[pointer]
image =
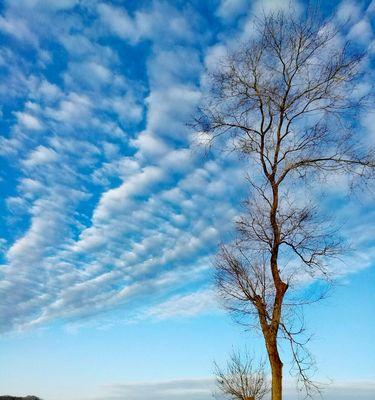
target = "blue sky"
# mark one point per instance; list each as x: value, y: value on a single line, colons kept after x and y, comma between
x: 110, y: 213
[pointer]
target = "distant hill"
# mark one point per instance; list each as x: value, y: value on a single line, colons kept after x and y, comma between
x: 19, y: 398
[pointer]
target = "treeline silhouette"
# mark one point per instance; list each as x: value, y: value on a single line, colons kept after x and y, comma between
x: 19, y: 398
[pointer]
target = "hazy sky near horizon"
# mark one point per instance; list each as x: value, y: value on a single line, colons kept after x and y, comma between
x: 110, y: 214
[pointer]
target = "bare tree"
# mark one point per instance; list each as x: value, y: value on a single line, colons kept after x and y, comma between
x: 242, y: 379
x: 288, y: 102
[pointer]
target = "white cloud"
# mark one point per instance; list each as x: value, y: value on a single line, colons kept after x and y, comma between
x: 127, y: 107
x: 30, y: 187
x: 361, y: 31
x: 268, y: 6
x: 229, y: 9
x: 146, y: 24
x: 48, y: 91
x: 18, y: 28
x: 150, y: 146
x: 41, y: 155
x: 26, y: 272
x: 368, y: 122
x: 29, y: 121
x: 182, y: 306
x: 114, y: 201
x: 78, y: 45
x: 90, y: 73
x: 119, y: 22
x: 54, y: 5
x: 75, y: 109
x: 168, y: 107
x: 348, y: 10
x: 48, y: 222
x: 214, y: 54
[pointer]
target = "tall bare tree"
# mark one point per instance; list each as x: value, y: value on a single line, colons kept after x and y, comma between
x: 288, y: 101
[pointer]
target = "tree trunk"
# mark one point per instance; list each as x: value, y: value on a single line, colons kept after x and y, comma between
x: 276, y: 370
x: 277, y: 377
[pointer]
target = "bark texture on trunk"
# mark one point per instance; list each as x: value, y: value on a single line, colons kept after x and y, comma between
x: 276, y: 368
x: 277, y: 378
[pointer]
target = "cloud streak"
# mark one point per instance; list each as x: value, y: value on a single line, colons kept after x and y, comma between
x: 202, y: 389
